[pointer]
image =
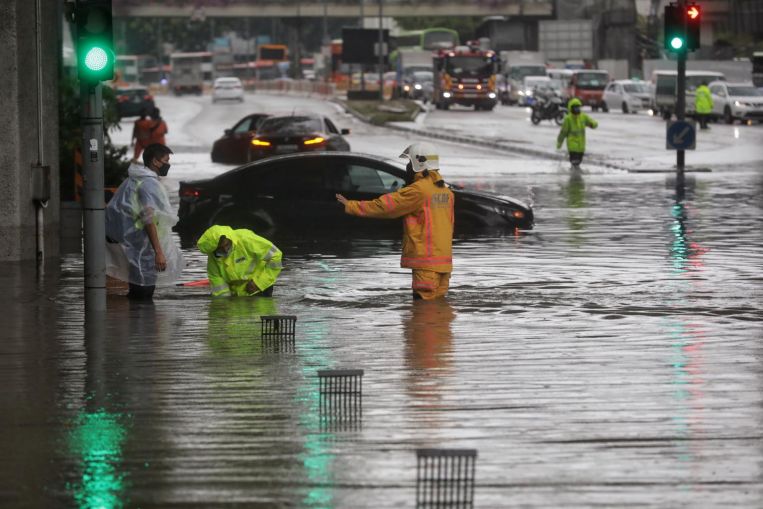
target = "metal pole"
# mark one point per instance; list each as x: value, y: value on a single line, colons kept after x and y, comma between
x: 381, y: 53
x: 326, y: 39
x: 681, y: 101
x: 39, y: 204
x: 93, y: 202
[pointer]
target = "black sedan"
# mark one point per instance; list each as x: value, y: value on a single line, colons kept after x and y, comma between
x: 235, y: 147
x: 133, y: 101
x: 294, y: 195
x: 297, y: 133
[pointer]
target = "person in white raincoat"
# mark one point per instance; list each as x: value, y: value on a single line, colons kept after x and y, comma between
x: 139, y: 221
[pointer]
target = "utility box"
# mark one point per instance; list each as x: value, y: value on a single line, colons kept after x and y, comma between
x: 566, y: 39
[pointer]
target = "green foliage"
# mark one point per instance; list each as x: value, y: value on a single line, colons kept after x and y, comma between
x: 466, y: 26
x: 70, y: 137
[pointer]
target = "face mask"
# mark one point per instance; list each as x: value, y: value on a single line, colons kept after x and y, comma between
x: 576, y: 110
x: 409, y: 174
x: 222, y: 254
x: 164, y: 169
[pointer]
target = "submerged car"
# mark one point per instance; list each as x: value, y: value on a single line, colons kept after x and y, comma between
x: 235, y: 146
x: 296, y: 195
x: 297, y: 133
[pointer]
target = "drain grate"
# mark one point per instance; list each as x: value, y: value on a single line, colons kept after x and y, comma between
x: 341, y: 397
x: 278, y: 329
x: 445, y: 477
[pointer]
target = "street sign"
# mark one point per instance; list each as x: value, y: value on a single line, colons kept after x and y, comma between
x: 681, y: 135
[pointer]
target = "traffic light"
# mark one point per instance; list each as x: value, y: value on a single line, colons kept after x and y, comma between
x: 675, y: 29
x: 693, y: 20
x: 95, y: 40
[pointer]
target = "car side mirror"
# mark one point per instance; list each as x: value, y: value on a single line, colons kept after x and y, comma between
x: 345, y: 131
x: 228, y: 132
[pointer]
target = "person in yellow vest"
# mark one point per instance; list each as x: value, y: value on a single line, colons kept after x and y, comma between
x: 573, y: 129
x: 239, y: 262
x: 426, y: 205
x: 703, y: 104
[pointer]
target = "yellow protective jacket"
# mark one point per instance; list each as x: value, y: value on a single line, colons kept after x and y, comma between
x: 427, y: 211
x: 573, y: 128
x: 703, y: 100
x: 252, y: 258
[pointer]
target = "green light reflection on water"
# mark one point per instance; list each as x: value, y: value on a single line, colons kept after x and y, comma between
x: 97, y: 438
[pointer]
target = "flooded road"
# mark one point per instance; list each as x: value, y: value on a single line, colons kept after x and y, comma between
x: 609, y: 357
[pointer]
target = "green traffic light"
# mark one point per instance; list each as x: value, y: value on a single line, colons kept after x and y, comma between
x: 96, y: 59
x: 676, y: 43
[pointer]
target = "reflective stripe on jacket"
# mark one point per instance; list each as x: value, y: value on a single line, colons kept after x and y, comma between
x: 427, y: 211
x: 703, y: 100
x: 573, y: 128
x: 252, y: 258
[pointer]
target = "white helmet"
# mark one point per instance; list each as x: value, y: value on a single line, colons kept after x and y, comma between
x: 423, y: 156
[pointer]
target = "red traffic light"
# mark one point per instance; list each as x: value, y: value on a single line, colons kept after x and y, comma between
x: 693, y: 12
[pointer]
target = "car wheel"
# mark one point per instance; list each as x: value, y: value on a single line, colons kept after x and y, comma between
x: 604, y: 108
x: 666, y: 115
x: 727, y: 116
x: 625, y: 107
x: 535, y: 117
x: 594, y: 108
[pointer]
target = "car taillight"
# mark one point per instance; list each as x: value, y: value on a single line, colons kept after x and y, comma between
x: 148, y: 97
x: 518, y: 214
x: 314, y: 141
x: 260, y: 143
x: 190, y: 192
x: 122, y: 98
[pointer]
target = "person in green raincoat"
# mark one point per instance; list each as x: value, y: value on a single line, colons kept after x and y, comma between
x: 703, y: 104
x: 239, y: 262
x: 573, y: 129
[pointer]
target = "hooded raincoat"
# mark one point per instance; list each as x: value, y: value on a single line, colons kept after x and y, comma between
x: 703, y: 100
x: 573, y: 128
x: 141, y: 200
x: 428, y: 216
x: 252, y: 258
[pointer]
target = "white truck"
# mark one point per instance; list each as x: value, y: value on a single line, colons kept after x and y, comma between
x: 188, y: 72
x: 516, y: 66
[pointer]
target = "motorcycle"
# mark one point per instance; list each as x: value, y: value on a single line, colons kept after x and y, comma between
x: 547, y: 108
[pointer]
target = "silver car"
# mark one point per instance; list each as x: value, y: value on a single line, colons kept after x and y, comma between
x: 736, y: 101
x: 627, y: 95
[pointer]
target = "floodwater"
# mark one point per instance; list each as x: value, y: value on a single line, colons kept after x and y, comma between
x: 611, y: 357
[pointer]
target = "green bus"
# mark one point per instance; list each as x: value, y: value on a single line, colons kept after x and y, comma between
x: 429, y: 39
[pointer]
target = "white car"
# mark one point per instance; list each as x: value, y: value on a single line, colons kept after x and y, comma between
x: 628, y: 95
x: 229, y: 89
x: 528, y: 86
x: 733, y: 101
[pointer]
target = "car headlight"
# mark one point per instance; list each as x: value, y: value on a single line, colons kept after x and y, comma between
x: 417, y: 86
x: 407, y: 88
x: 491, y: 95
x: 521, y: 93
x: 446, y: 95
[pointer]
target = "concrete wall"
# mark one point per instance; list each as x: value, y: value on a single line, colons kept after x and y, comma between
x: 19, y: 121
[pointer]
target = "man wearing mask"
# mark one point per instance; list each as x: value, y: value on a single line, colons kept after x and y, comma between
x: 426, y: 206
x: 139, y: 220
x: 239, y: 262
x: 573, y: 129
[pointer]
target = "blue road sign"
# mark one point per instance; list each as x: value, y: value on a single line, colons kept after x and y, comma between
x: 681, y: 135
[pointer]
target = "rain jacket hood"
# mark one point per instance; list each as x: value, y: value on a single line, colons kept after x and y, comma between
x: 427, y: 210
x: 141, y: 200
x: 573, y: 128
x: 703, y: 100
x: 209, y: 240
x: 251, y: 258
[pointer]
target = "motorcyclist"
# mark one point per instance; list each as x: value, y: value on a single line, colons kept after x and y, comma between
x: 573, y: 130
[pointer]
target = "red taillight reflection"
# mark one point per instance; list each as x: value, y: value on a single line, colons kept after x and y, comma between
x: 122, y: 98
x: 148, y: 97
x: 189, y: 192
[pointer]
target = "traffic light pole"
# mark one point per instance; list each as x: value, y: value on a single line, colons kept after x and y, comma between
x: 93, y: 197
x: 681, y: 102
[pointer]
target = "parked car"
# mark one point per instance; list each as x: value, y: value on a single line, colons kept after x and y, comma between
x: 235, y: 146
x: 628, y: 95
x: 132, y: 101
x: 297, y: 133
x: 736, y: 101
x: 227, y: 89
x: 295, y: 195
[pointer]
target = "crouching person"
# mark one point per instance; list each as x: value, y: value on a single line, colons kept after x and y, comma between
x: 239, y: 262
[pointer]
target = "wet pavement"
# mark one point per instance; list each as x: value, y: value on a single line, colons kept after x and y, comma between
x: 609, y: 357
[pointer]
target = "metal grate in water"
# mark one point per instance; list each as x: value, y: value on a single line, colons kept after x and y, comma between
x: 279, y: 332
x: 341, y: 398
x: 445, y: 478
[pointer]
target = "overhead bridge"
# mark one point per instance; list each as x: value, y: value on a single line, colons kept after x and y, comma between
x: 331, y: 8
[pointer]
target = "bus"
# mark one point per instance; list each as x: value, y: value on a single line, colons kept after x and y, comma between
x: 273, y: 52
x: 430, y: 39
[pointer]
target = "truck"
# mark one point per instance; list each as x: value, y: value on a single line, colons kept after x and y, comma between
x: 465, y: 75
x: 188, y: 72
x: 516, y: 66
x: 665, y: 86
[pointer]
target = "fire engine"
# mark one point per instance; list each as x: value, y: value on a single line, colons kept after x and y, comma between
x: 465, y: 75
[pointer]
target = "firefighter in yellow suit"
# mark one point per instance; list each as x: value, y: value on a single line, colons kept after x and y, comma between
x: 426, y: 206
x: 239, y: 262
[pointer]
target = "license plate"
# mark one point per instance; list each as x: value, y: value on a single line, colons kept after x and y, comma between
x: 286, y: 148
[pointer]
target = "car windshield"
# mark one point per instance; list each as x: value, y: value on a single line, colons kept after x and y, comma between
x: 636, y: 88
x: 290, y: 125
x: 745, y: 91
x: 134, y: 92
x: 536, y: 82
x: 592, y: 80
x: 473, y: 65
x: 523, y: 71
x: 422, y: 76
